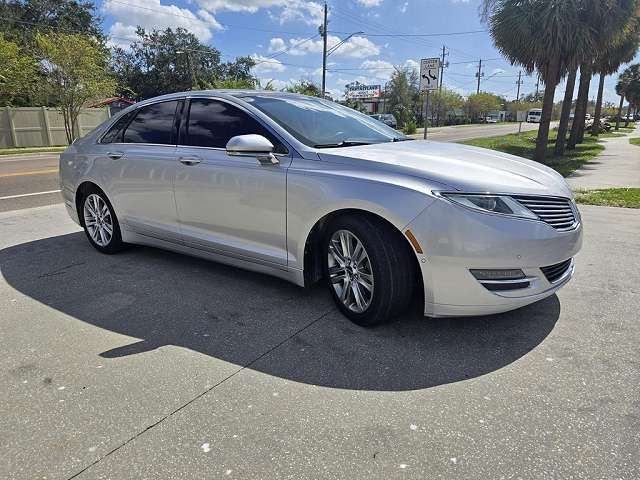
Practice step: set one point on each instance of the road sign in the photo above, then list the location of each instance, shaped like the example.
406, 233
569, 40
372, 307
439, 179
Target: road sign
429, 74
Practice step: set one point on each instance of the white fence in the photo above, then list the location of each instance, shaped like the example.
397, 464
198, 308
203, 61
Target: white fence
42, 126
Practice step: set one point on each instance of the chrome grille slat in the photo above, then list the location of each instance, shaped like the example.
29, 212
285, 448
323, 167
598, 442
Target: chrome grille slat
555, 211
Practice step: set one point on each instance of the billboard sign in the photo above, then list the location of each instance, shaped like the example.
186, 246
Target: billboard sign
361, 91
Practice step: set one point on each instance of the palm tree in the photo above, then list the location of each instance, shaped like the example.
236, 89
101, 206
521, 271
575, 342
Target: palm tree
537, 35
628, 87
606, 19
548, 35
566, 110
609, 60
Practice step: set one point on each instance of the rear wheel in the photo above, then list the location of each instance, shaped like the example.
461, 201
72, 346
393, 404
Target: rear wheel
100, 222
368, 268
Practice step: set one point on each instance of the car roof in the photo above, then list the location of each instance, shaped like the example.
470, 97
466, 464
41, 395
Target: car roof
223, 93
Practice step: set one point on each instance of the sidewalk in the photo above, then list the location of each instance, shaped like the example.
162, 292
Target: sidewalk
617, 166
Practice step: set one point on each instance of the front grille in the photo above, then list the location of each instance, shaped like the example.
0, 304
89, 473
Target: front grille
554, 272
556, 211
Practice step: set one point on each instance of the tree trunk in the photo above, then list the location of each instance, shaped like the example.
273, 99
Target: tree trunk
595, 130
566, 111
581, 105
550, 83
626, 120
619, 112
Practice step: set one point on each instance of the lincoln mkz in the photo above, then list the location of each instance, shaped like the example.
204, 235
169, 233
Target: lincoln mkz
308, 190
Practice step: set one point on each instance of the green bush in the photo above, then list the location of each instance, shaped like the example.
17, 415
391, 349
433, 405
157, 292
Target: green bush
410, 127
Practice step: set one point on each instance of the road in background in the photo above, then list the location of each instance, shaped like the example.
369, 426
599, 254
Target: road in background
31, 180
26, 179
457, 133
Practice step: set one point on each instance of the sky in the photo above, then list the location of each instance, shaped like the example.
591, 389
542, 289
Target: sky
282, 36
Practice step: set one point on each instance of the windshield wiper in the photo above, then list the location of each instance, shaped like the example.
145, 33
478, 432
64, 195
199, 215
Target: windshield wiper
345, 143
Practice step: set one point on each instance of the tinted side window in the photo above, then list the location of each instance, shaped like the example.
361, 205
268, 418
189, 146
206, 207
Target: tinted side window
152, 124
114, 135
212, 123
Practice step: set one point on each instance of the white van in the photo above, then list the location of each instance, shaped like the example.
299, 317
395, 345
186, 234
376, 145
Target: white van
534, 115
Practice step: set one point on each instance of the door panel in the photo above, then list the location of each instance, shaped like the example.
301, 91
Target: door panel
233, 204
138, 163
229, 204
142, 189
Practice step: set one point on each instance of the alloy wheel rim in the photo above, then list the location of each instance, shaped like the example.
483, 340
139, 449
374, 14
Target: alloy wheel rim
97, 219
350, 271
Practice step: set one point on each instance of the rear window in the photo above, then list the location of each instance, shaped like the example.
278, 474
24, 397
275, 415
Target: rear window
152, 124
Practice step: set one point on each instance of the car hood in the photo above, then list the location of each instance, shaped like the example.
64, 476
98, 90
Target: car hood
461, 167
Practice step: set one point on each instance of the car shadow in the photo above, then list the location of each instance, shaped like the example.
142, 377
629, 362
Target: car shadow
263, 323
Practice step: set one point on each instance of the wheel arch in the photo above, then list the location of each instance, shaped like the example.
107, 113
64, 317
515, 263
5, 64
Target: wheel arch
313, 244
83, 189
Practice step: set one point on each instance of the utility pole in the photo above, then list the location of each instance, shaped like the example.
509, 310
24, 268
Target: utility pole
479, 74
519, 82
442, 65
324, 50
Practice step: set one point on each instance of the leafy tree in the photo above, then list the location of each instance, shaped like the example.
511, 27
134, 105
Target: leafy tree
17, 71
444, 102
403, 96
168, 61
22, 19
478, 105
547, 36
304, 87
76, 69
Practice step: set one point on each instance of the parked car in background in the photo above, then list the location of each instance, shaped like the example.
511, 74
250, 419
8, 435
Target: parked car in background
308, 190
490, 119
386, 118
534, 115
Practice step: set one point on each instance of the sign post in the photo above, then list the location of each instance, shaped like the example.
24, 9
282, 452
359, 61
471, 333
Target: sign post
429, 75
521, 116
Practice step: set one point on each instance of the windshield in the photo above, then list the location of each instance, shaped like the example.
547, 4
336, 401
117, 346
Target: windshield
323, 123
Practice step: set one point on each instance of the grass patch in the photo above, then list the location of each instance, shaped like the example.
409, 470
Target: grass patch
635, 141
610, 197
16, 151
524, 145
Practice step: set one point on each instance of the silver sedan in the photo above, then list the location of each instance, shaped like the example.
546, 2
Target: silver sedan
308, 190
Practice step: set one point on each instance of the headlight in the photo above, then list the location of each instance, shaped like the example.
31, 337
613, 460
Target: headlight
501, 204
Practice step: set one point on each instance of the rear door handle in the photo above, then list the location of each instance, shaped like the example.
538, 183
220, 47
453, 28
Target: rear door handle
190, 160
115, 155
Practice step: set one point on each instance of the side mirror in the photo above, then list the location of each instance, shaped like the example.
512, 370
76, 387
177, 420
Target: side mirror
252, 145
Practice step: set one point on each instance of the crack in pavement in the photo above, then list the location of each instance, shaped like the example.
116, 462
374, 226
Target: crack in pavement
200, 395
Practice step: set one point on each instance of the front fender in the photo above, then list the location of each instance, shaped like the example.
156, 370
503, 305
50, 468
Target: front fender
313, 194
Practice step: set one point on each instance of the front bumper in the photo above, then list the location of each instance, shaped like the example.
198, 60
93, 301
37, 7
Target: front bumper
456, 239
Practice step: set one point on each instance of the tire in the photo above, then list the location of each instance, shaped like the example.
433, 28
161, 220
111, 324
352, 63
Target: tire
384, 263
102, 228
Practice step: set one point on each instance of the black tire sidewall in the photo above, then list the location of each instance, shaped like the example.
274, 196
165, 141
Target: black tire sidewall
368, 234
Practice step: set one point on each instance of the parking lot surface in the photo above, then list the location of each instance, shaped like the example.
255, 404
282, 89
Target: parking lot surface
149, 364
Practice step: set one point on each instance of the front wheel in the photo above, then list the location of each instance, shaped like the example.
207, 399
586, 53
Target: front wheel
100, 223
368, 268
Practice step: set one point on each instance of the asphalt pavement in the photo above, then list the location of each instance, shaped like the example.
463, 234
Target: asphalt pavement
28, 180
457, 133
149, 364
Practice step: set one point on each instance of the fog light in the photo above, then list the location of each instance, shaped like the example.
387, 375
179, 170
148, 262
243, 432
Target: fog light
495, 274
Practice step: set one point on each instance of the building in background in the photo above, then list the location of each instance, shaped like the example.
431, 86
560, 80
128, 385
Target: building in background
115, 104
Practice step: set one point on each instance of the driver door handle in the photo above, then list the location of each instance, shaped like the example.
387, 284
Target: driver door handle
115, 155
190, 160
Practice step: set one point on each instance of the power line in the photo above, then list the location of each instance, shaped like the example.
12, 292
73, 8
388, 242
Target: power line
413, 35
